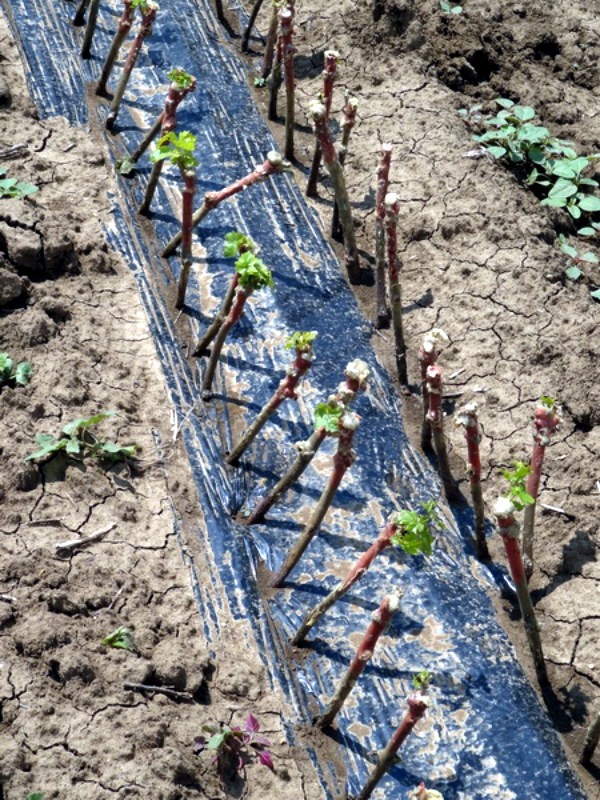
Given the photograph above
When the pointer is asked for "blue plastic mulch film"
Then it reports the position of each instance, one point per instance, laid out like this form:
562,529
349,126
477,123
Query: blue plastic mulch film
486,735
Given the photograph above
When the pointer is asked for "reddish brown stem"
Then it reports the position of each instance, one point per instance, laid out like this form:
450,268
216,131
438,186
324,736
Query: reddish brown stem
275,81
509,530
435,417
342,461
417,706
382,316
383,541
144,31
356,375
123,28
392,211
364,653
235,313
212,330
286,21
272,166
341,193
189,190
547,420
166,120
329,76
467,417
285,391
348,123
271,41
428,355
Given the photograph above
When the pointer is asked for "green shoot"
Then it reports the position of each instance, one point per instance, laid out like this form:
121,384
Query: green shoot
573,272
253,274
447,8
78,441
35,796
517,492
301,340
178,149
548,402
328,416
421,681
415,534
144,5
11,187
11,375
121,638
237,243
180,78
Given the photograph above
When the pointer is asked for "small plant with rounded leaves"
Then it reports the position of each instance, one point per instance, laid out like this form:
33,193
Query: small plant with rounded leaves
448,8
252,276
121,639
78,441
11,187
233,747
12,374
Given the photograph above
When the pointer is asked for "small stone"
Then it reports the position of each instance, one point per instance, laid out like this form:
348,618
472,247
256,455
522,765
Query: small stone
11,286
5,95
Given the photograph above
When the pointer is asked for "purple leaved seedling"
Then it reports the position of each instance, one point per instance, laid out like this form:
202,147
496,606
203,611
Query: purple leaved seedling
428,356
411,531
181,84
417,706
364,653
348,122
332,163
274,165
356,374
435,417
123,28
301,343
466,417
547,420
382,316
234,747
253,275
148,9
342,423
329,75
508,528
392,212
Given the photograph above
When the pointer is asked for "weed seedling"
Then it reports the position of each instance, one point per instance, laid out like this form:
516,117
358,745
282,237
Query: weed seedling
121,639
508,528
179,150
253,275
301,343
339,421
148,9
274,165
356,374
11,187
382,316
78,441
417,706
11,375
547,420
234,747
448,8
411,531
364,653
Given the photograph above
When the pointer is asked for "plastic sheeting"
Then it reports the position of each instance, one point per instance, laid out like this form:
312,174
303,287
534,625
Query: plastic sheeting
487,735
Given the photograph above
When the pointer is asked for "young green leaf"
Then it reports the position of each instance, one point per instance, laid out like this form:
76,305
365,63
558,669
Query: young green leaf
121,638
82,424
327,416
573,273
237,243
23,373
176,148
6,366
589,203
48,446
180,78
414,529
253,274
421,681
301,340
517,493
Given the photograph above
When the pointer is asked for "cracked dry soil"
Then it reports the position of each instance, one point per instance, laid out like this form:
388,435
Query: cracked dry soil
480,261
68,727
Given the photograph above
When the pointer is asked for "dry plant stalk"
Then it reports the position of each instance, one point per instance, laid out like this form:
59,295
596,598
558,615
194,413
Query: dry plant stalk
329,76
392,212
123,28
435,417
382,316
428,356
90,28
348,122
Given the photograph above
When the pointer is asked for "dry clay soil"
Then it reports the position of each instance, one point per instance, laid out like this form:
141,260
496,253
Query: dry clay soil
479,261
